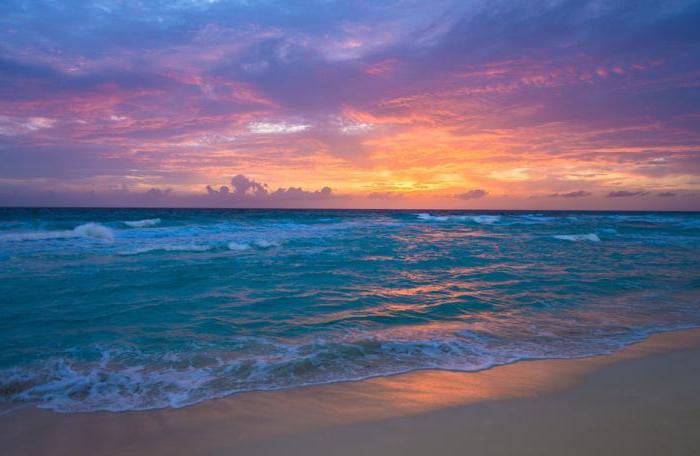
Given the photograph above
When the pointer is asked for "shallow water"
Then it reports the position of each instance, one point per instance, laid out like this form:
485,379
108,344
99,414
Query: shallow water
137,309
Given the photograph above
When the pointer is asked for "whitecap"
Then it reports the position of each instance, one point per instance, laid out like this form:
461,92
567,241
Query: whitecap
435,218
578,237
264,244
88,230
96,231
238,246
142,223
480,219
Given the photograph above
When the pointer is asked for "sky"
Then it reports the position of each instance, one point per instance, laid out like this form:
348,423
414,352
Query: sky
455,104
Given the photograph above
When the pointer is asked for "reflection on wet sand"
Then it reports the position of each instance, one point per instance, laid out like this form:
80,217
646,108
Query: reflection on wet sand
245,419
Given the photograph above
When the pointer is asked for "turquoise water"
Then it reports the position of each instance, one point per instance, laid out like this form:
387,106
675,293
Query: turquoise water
139,309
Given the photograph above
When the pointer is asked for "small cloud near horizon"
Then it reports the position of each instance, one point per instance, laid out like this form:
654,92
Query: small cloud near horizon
246,189
625,194
472,194
574,194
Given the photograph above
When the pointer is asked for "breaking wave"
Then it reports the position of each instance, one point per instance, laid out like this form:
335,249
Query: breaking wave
142,223
87,230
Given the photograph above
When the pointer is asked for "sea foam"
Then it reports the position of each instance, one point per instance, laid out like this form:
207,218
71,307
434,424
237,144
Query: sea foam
578,237
480,219
142,223
238,246
87,230
265,244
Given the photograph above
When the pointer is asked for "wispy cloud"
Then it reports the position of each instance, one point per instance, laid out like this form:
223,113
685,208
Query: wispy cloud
401,97
626,194
573,194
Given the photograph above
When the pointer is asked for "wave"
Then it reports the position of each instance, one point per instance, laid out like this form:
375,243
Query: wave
592,237
265,244
238,246
259,243
87,230
169,248
128,379
192,247
481,219
142,223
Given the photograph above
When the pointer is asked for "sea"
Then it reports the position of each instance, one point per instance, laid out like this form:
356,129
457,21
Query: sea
136,309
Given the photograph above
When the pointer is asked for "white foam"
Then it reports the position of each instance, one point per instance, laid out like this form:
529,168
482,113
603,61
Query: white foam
578,237
480,219
88,230
432,218
264,244
238,246
96,231
142,223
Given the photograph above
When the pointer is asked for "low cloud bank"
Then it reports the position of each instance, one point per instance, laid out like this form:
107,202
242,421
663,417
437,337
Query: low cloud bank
246,190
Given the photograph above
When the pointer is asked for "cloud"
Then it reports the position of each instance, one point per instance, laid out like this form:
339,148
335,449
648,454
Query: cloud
247,190
35,195
625,194
574,194
10,126
473,194
666,194
425,97
276,128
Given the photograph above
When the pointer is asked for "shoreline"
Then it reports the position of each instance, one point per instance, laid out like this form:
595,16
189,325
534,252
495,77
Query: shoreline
255,422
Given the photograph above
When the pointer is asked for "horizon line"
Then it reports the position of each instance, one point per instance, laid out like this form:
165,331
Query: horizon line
357,209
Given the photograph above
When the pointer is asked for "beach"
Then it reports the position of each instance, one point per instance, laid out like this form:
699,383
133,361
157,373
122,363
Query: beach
644,399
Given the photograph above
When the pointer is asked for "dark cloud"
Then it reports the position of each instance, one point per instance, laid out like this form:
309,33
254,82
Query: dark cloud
666,194
473,194
574,194
625,194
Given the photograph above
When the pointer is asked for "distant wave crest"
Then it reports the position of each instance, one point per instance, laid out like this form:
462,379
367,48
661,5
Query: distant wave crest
592,237
87,230
480,219
142,223
169,248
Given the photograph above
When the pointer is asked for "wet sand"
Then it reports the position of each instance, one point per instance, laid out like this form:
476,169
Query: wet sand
642,400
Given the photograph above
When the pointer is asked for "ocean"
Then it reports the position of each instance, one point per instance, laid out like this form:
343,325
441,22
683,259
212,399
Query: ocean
135,309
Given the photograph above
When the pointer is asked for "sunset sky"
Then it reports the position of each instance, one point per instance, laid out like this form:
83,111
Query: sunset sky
400,104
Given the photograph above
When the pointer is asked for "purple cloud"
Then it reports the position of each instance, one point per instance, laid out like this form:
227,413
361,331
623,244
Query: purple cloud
249,191
574,194
625,194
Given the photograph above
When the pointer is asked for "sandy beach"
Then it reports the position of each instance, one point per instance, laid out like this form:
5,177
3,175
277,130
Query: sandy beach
644,399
